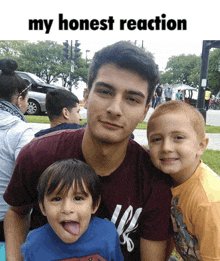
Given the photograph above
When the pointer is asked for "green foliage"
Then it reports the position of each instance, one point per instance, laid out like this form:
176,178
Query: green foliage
45,59
214,71
182,69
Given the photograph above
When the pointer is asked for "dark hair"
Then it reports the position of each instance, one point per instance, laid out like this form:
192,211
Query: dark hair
62,173
10,82
58,99
127,56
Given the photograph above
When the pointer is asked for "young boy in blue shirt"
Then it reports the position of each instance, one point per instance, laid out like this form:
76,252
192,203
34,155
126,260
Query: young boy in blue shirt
176,137
69,195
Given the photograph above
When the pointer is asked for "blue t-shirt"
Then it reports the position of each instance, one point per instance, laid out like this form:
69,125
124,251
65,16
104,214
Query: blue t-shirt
99,242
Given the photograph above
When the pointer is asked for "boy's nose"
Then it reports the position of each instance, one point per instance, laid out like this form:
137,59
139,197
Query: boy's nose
67,207
167,145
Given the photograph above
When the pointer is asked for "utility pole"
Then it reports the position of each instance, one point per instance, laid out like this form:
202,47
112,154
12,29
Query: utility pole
207,45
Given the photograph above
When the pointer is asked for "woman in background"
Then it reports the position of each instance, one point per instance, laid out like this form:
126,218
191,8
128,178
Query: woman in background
14,131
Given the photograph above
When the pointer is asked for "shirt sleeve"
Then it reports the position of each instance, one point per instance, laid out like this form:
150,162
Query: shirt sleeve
207,230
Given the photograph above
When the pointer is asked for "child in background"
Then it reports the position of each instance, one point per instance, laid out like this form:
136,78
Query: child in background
69,195
176,138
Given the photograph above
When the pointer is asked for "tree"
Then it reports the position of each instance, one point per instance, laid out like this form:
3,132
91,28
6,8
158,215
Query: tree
182,69
214,71
11,49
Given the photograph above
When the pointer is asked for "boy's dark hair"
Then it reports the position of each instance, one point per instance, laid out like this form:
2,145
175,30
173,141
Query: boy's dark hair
62,173
10,82
58,99
130,57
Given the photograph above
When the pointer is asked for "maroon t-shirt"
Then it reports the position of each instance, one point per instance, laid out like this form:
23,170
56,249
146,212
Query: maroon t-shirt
135,197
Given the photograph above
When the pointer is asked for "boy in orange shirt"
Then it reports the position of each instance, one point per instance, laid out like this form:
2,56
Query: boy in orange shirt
176,137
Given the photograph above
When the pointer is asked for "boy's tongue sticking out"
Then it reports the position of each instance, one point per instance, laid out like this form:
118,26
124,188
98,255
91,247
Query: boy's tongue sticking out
72,227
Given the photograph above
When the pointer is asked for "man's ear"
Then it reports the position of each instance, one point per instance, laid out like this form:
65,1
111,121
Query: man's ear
97,206
86,97
145,113
202,146
65,113
42,209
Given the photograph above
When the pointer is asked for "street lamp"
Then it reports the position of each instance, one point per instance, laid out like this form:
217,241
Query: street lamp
87,51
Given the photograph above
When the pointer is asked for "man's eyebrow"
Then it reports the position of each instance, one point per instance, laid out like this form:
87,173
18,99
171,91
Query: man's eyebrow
136,93
103,84
132,92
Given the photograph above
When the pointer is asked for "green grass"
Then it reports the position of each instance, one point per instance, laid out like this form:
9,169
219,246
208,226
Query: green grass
142,125
211,158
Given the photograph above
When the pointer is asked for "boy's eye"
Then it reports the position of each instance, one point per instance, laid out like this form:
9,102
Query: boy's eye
56,199
156,139
78,198
179,137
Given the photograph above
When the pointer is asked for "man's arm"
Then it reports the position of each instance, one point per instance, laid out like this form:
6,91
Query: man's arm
153,250
16,227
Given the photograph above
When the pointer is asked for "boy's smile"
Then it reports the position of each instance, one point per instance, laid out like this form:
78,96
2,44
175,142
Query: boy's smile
174,145
68,213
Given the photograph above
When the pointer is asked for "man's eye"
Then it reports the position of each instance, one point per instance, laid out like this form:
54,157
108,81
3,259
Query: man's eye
132,99
104,92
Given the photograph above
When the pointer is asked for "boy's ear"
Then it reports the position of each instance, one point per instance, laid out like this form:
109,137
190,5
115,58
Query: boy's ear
97,206
86,97
65,113
42,209
202,146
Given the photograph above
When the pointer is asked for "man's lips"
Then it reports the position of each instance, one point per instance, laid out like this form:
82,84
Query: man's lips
111,125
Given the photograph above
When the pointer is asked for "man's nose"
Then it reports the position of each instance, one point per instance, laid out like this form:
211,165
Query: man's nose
115,107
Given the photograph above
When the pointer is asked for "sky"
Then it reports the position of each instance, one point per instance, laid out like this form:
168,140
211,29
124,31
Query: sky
202,18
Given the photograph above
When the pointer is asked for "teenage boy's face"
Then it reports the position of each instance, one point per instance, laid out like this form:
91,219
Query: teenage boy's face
174,145
74,115
116,103
68,213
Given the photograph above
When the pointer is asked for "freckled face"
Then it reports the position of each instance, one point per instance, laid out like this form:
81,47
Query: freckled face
174,145
115,104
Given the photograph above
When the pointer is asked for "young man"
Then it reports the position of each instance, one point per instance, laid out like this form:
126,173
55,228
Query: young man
63,111
176,137
69,194
135,195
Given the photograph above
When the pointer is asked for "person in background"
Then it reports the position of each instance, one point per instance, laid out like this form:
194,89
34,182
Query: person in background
69,194
207,97
177,140
63,110
135,195
159,91
14,131
168,93
179,96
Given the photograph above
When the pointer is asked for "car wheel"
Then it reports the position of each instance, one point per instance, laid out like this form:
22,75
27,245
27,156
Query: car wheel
33,107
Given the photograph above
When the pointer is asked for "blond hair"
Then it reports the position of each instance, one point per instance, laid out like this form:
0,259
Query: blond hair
195,117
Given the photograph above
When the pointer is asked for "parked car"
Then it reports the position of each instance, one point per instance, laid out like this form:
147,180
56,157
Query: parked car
37,93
